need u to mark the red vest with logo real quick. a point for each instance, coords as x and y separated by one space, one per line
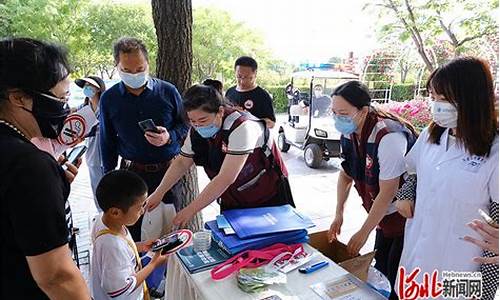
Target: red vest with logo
260 179
361 164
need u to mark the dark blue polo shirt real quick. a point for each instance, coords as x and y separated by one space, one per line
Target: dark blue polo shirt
121 111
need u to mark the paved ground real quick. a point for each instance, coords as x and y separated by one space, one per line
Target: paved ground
314 192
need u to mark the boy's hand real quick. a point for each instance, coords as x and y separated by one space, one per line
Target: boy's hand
159 259
145 246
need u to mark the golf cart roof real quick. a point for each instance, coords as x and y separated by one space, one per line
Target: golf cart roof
327 74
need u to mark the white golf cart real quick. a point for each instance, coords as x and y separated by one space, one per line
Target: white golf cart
310 125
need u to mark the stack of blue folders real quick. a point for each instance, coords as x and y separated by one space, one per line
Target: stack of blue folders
237 230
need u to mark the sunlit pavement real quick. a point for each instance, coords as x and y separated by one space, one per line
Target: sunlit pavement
314 192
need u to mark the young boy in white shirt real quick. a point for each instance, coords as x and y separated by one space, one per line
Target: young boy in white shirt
116 271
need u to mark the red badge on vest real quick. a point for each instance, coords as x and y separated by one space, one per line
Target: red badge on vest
248 104
369 162
224 147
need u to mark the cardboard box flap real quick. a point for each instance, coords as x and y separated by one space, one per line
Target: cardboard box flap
337 251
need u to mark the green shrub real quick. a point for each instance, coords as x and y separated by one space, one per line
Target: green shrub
280 100
402 92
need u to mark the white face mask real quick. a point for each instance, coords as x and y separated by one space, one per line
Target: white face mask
134 81
444 114
318 94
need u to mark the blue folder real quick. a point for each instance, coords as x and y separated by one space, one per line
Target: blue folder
232 244
253 222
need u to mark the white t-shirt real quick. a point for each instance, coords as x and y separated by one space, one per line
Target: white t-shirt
243 140
391 155
113 267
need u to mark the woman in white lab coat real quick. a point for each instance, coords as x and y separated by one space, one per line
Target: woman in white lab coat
456 162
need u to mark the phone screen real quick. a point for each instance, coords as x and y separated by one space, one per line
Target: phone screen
75 154
167 243
148 125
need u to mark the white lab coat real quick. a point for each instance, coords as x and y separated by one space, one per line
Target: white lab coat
451 186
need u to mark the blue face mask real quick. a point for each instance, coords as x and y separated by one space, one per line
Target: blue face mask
207 131
345 124
88 91
134 81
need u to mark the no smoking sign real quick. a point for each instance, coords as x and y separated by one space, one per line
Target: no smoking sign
73 130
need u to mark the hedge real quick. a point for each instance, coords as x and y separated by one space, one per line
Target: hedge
400 92
279 98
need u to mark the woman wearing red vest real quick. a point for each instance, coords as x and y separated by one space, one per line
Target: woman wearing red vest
234 148
374 144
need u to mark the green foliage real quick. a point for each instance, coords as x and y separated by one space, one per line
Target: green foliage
280 100
218 41
402 92
107 22
448 28
87 29
57 21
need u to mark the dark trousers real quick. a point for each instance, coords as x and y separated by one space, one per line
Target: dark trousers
387 257
152 180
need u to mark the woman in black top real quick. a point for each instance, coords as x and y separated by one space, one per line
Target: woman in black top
36 218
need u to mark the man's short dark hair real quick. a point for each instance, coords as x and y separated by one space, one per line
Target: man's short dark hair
120 189
128 45
246 61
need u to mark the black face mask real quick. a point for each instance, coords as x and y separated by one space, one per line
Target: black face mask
49 113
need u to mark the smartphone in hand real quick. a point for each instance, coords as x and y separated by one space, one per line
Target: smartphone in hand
166 243
74 155
148 125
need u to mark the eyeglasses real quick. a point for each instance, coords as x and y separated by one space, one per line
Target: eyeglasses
64 99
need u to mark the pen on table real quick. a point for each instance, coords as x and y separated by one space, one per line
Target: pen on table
312 268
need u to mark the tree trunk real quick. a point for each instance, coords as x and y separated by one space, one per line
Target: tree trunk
411 27
173 22
404 69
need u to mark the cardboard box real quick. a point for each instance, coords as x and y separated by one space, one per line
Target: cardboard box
337 251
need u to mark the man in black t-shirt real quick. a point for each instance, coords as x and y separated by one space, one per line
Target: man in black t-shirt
247 95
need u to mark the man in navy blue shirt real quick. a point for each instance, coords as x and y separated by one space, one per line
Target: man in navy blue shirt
137 98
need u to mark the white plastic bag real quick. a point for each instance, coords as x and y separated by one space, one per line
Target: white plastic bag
157 222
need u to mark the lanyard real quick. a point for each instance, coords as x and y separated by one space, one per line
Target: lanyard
136 253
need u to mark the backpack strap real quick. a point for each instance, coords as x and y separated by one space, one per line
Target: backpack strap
134 249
